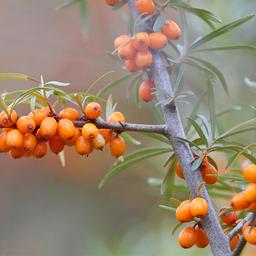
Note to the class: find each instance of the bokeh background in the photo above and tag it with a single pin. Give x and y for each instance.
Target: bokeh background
(48, 210)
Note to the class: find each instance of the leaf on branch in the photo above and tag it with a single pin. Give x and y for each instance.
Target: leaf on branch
(176, 227)
(228, 48)
(154, 182)
(66, 4)
(128, 138)
(13, 76)
(57, 83)
(160, 21)
(249, 83)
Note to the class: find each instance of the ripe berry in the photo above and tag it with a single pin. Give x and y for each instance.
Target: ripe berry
(234, 241)
(250, 173)
(56, 144)
(93, 110)
(157, 40)
(111, 2)
(5, 121)
(143, 59)
(83, 146)
(249, 234)
(183, 213)
(145, 6)
(187, 237)
(17, 152)
(48, 127)
(99, 142)
(146, 90)
(14, 139)
(72, 141)
(141, 41)
(228, 217)
(238, 202)
(250, 192)
(3, 145)
(66, 129)
(39, 115)
(107, 134)
(171, 30)
(209, 173)
(69, 113)
(116, 117)
(179, 170)
(117, 146)
(29, 142)
(121, 41)
(202, 238)
(26, 124)
(130, 65)
(40, 150)
(253, 206)
(90, 131)
(199, 207)
(39, 137)
(127, 51)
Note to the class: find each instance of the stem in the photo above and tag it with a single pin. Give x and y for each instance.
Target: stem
(218, 241)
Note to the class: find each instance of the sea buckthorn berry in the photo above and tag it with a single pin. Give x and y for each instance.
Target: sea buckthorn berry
(209, 173)
(179, 170)
(93, 110)
(17, 153)
(69, 113)
(3, 145)
(40, 150)
(157, 40)
(121, 41)
(72, 141)
(127, 51)
(116, 117)
(39, 115)
(143, 59)
(238, 202)
(107, 134)
(117, 146)
(90, 131)
(250, 192)
(171, 30)
(56, 144)
(145, 6)
(39, 137)
(228, 217)
(6, 121)
(187, 237)
(253, 206)
(202, 238)
(83, 146)
(199, 207)
(7, 129)
(99, 142)
(111, 2)
(250, 173)
(48, 127)
(249, 234)
(66, 129)
(130, 65)
(146, 90)
(141, 41)
(29, 142)
(14, 139)
(183, 213)
(233, 243)
(26, 124)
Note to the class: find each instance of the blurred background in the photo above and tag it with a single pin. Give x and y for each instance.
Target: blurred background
(48, 210)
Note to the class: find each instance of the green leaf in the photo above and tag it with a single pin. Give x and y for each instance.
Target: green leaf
(227, 48)
(211, 104)
(57, 83)
(156, 136)
(13, 76)
(131, 159)
(110, 106)
(66, 4)
(191, 143)
(176, 227)
(84, 16)
(128, 138)
(172, 209)
(61, 156)
(154, 182)
(220, 31)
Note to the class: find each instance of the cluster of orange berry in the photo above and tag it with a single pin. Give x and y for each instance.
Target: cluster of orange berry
(187, 211)
(28, 135)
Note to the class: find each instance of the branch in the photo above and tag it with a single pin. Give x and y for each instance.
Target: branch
(218, 241)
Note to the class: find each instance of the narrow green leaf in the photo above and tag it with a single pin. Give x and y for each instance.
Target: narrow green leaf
(154, 182)
(57, 83)
(84, 16)
(128, 138)
(61, 156)
(169, 179)
(13, 76)
(227, 48)
(156, 136)
(211, 104)
(191, 143)
(66, 4)
(165, 207)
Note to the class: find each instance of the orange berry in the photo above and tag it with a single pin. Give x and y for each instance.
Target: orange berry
(93, 110)
(66, 129)
(56, 144)
(69, 113)
(130, 65)
(249, 234)
(157, 40)
(26, 124)
(127, 51)
(3, 145)
(146, 90)
(90, 131)
(233, 243)
(209, 173)
(179, 170)
(7, 129)
(99, 142)
(250, 173)
(171, 30)
(141, 41)
(117, 146)
(116, 117)
(14, 139)
(72, 141)
(17, 152)
(145, 6)
(83, 146)
(29, 142)
(199, 207)
(202, 238)
(39, 115)
(5, 121)
(187, 237)
(107, 134)
(253, 206)
(111, 2)
(143, 59)
(228, 217)
(48, 127)
(183, 213)
(121, 40)
(250, 192)
(39, 137)
(238, 202)
(40, 150)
